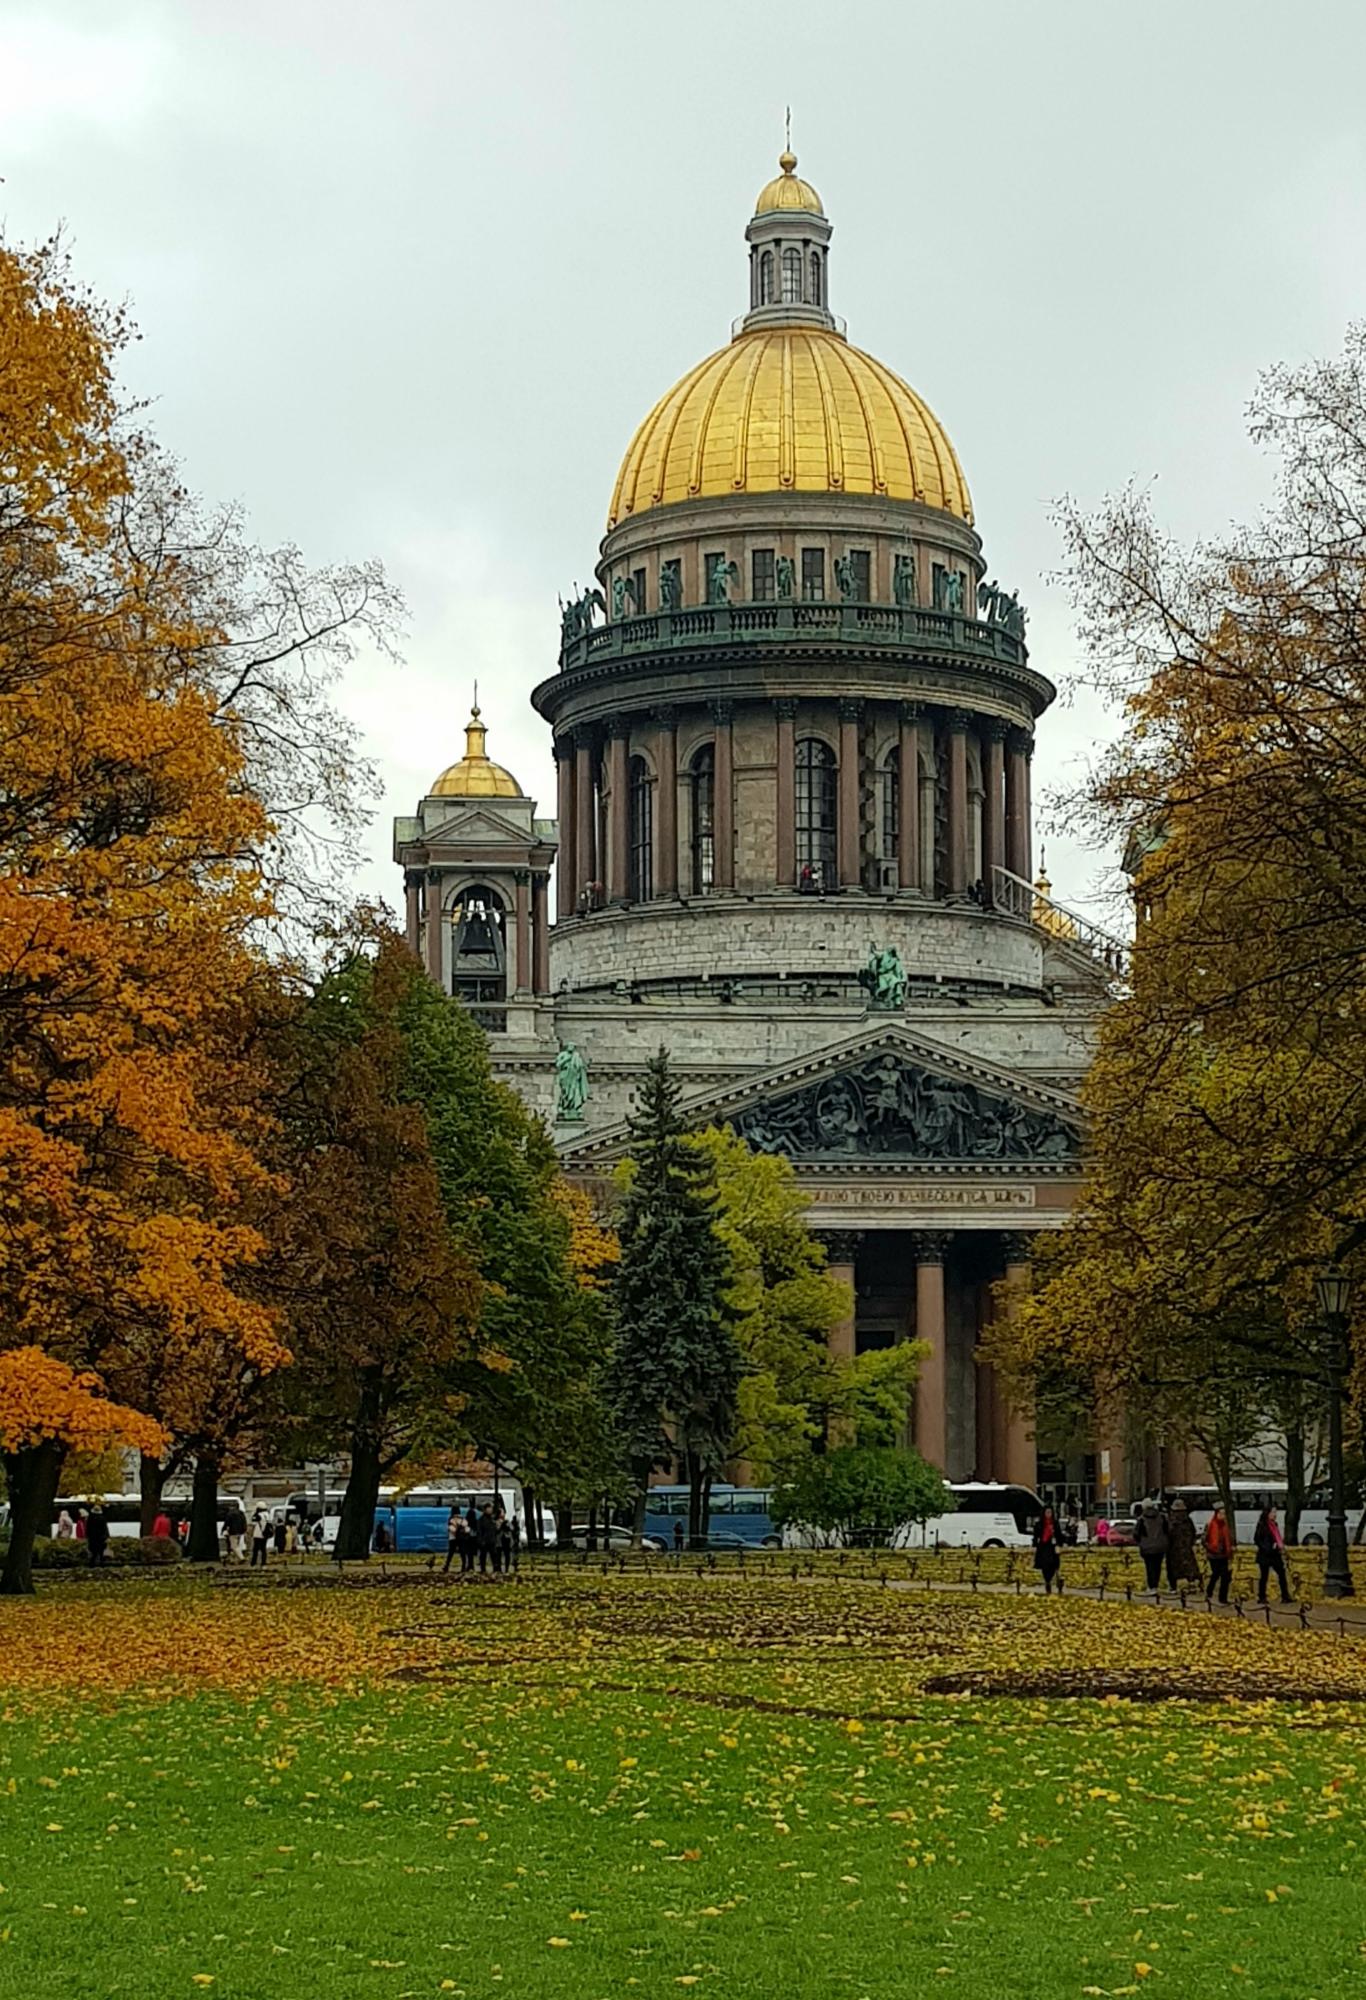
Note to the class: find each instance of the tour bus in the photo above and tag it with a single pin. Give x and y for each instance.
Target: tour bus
(415, 1521)
(739, 1516)
(123, 1511)
(987, 1516)
(1249, 1498)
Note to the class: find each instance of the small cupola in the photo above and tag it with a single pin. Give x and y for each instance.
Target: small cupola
(789, 251)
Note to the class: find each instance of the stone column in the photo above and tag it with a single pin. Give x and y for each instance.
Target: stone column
(522, 904)
(585, 816)
(540, 931)
(723, 805)
(985, 1440)
(994, 802)
(431, 956)
(958, 801)
(666, 803)
(842, 1250)
(618, 815)
(785, 870)
(1020, 1466)
(566, 874)
(412, 900)
(931, 1410)
(1017, 803)
(908, 795)
(1028, 869)
(847, 817)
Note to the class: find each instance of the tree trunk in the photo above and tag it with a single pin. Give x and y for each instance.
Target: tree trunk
(696, 1477)
(203, 1543)
(32, 1476)
(564, 1525)
(1294, 1482)
(152, 1477)
(638, 1506)
(356, 1528)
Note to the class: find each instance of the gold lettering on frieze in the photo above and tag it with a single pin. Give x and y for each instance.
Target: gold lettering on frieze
(933, 1195)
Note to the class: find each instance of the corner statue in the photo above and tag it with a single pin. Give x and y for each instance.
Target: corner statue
(571, 1078)
(885, 978)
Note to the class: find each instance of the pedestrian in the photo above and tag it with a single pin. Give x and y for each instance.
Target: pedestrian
(1103, 1532)
(97, 1536)
(162, 1525)
(455, 1539)
(1269, 1543)
(515, 1539)
(678, 1538)
(319, 1536)
(291, 1535)
(1219, 1550)
(80, 1524)
(381, 1539)
(1048, 1551)
(486, 1537)
(1152, 1542)
(500, 1515)
(1182, 1566)
(260, 1538)
(278, 1534)
(235, 1528)
(66, 1527)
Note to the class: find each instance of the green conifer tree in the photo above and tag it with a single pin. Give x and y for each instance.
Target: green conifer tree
(677, 1363)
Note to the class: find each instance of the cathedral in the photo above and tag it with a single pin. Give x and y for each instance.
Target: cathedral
(793, 723)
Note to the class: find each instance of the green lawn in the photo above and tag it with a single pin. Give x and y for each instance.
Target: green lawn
(571, 1796)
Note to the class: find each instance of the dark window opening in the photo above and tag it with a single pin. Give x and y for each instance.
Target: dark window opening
(761, 573)
(816, 278)
(702, 778)
(813, 575)
(479, 956)
(766, 279)
(815, 804)
(792, 277)
(642, 832)
(891, 806)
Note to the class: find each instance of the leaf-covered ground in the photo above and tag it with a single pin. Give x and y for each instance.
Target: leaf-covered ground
(585, 1786)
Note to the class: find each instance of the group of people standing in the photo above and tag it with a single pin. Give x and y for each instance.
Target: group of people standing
(485, 1534)
(90, 1527)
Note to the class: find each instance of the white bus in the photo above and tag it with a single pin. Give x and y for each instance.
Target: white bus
(1249, 1498)
(988, 1515)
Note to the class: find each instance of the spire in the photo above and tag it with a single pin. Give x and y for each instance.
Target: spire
(475, 733)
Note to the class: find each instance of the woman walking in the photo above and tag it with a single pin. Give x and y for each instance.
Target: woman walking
(1219, 1550)
(1182, 1566)
(1152, 1542)
(1270, 1546)
(1047, 1551)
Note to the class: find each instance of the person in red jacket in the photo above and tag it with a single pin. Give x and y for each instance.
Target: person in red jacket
(1219, 1549)
(162, 1524)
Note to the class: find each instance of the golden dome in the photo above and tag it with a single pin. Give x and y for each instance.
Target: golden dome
(475, 777)
(787, 191)
(789, 409)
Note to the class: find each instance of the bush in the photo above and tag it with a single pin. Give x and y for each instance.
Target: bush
(48, 1553)
(862, 1493)
(147, 1551)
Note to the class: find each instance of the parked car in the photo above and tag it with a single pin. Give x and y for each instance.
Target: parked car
(614, 1538)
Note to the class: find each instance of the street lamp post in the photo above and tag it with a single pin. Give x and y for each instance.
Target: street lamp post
(1333, 1289)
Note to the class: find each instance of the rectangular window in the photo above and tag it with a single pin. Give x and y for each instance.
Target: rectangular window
(761, 575)
(638, 592)
(861, 564)
(813, 575)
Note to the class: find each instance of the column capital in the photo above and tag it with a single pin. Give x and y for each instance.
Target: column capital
(1021, 740)
(722, 713)
(563, 747)
(786, 707)
(521, 876)
(958, 719)
(931, 1246)
(665, 717)
(540, 878)
(618, 728)
(433, 874)
(850, 709)
(911, 712)
(1017, 1245)
(841, 1245)
(994, 728)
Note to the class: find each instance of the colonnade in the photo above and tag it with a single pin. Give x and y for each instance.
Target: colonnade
(427, 909)
(594, 796)
(1000, 1444)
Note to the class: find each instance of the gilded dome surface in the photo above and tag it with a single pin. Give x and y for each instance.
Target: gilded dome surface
(789, 409)
(787, 191)
(475, 776)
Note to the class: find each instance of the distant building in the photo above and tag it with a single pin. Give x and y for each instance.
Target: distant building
(793, 723)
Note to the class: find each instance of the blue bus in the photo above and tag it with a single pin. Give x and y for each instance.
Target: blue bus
(739, 1516)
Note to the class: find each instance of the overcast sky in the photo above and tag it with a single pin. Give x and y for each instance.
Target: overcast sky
(408, 275)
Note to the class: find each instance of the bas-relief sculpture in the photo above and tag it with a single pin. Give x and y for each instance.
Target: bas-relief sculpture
(890, 1108)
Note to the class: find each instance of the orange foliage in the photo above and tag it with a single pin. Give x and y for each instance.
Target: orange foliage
(41, 1398)
(593, 1248)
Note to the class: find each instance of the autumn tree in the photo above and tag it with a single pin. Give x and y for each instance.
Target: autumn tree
(795, 1394)
(676, 1366)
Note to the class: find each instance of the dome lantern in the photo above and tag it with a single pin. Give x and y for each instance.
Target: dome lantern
(789, 239)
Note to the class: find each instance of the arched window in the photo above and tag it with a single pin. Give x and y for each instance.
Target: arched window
(816, 278)
(702, 785)
(642, 831)
(891, 804)
(766, 279)
(479, 955)
(792, 277)
(816, 814)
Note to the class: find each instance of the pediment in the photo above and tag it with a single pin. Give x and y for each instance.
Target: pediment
(479, 826)
(888, 1098)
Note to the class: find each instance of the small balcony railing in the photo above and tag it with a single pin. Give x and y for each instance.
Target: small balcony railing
(1014, 897)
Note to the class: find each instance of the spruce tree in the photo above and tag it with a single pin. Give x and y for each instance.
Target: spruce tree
(676, 1367)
